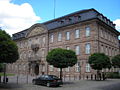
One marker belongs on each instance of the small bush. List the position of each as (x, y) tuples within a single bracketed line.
[(113, 75)]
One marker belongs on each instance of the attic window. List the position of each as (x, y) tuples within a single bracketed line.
[(62, 22), (79, 17), (70, 19)]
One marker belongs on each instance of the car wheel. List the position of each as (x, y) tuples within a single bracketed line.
[(34, 82), (48, 84)]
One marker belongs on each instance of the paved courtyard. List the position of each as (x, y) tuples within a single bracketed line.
[(113, 84)]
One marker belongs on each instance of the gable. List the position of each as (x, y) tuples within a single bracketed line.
[(36, 30)]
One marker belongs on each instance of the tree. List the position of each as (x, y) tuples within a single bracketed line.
[(1, 67), (61, 58), (116, 61), (98, 61), (8, 48)]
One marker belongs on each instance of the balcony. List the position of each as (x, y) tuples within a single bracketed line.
[(35, 58), (35, 47)]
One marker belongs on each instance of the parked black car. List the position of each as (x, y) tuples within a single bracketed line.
[(48, 80)]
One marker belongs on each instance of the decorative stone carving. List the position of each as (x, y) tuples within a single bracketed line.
[(36, 31)]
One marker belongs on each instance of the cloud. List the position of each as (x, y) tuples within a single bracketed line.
[(117, 22), (14, 18)]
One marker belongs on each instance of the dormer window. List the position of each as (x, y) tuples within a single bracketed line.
[(79, 17), (70, 20), (62, 22)]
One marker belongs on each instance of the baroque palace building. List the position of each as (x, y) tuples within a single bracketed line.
[(85, 32)]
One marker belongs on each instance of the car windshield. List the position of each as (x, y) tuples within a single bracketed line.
[(55, 77)]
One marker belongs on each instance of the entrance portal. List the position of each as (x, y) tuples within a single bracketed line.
[(36, 69)]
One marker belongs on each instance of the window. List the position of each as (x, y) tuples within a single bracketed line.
[(58, 69), (106, 50), (77, 67), (43, 68), (77, 50), (101, 32), (87, 29), (43, 40), (102, 49), (67, 69), (87, 48), (51, 37), (68, 48), (51, 67), (109, 51), (87, 67), (77, 33), (43, 53), (67, 35), (59, 36)]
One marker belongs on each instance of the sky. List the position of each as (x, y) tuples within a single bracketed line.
[(18, 15)]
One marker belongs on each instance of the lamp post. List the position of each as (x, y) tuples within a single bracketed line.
[(18, 74), (4, 78)]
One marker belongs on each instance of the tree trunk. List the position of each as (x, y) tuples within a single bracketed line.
[(4, 78), (0, 79), (61, 73)]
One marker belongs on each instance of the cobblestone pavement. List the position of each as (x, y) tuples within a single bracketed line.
[(113, 84)]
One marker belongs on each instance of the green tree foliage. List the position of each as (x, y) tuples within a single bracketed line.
[(61, 58), (98, 61), (1, 67), (116, 61), (8, 48)]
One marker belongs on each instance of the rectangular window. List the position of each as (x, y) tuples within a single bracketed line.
[(77, 67), (87, 67), (43, 68), (77, 33), (106, 50), (43, 40), (102, 49), (51, 37), (87, 48), (77, 50), (101, 30), (51, 67), (87, 29), (68, 48), (67, 35), (58, 69), (67, 69), (59, 36)]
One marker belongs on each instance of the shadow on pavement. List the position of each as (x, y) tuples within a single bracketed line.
[(9, 86), (111, 87), (64, 83)]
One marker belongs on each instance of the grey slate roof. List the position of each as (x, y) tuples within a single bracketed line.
[(69, 19)]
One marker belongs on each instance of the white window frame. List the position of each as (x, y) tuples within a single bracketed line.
[(58, 69), (77, 67), (87, 67), (67, 35), (67, 69), (87, 31), (87, 48), (67, 47), (102, 48), (51, 38), (77, 50), (77, 33), (51, 67), (59, 36), (43, 39)]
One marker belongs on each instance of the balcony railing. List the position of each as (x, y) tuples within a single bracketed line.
[(35, 47), (35, 58)]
